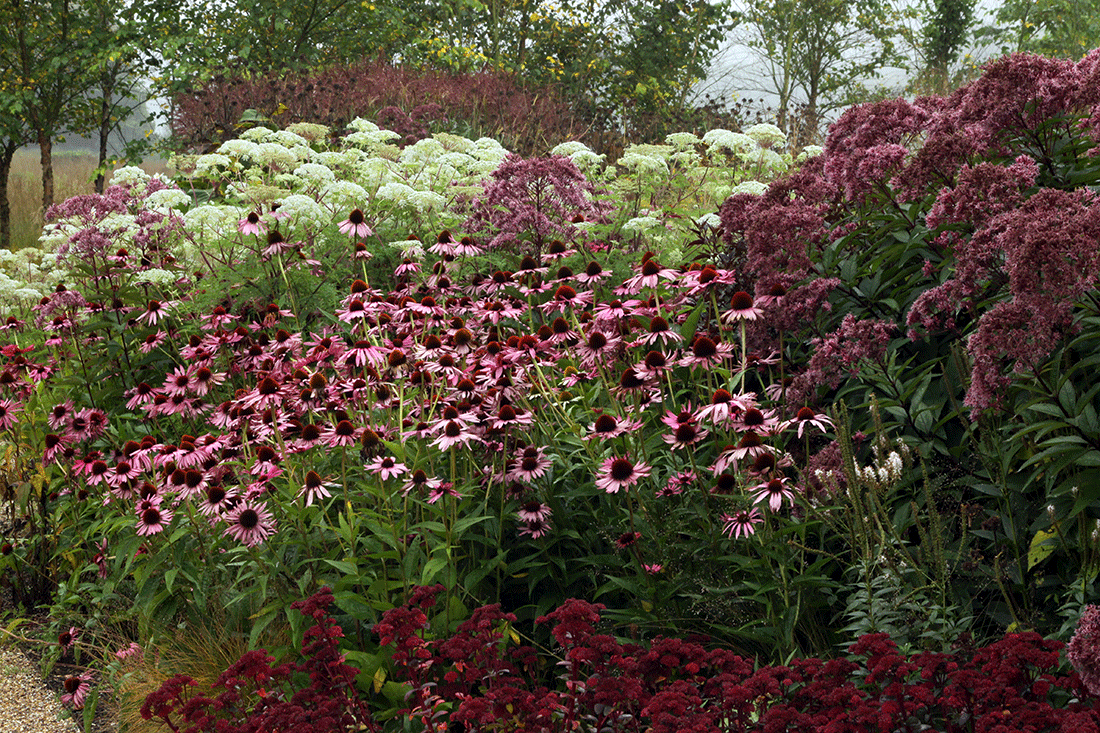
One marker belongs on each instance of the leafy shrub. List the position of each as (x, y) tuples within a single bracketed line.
[(940, 259)]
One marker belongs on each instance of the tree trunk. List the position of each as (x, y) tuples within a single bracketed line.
[(45, 148), (6, 155), (104, 131)]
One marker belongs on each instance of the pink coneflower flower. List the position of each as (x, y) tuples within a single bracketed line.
[(467, 247), (659, 332), (154, 311), (453, 433), (315, 488), (530, 465), (556, 251), (649, 274), (267, 460), (565, 298), (774, 492), (251, 224), (66, 639), (152, 519), (611, 310), (707, 352), (8, 410), (355, 225), (750, 446), (653, 569), (596, 344), (420, 481), (76, 689), (140, 396), (122, 472), (620, 473), (194, 483), (443, 488), (59, 416), (97, 472), (761, 422), (742, 523), (593, 273), (407, 267), (806, 417), (178, 382), (55, 445), (219, 318), (724, 406), (363, 353), (606, 427), (249, 523), (204, 379), (535, 528), (702, 279), (741, 309), (216, 500), (509, 416), (151, 342), (684, 435), (444, 244), (533, 511), (677, 483), (628, 539), (387, 467)]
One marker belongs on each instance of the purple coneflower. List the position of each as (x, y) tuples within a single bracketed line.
[(8, 410), (249, 523), (76, 689), (620, 473), (741, 523), (251, 224), (806, 417), (387, 467), (741, 309), (355, 225), (774, 492), (152, 519), (535, 528), (66, 639), (533, 511), (530, 465), (315, 488)]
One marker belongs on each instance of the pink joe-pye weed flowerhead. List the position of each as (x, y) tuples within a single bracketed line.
[(1083, 650)]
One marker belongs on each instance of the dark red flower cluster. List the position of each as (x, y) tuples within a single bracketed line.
[(478, 678), (256, 698)]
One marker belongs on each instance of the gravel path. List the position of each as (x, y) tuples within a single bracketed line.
[(27, 705)]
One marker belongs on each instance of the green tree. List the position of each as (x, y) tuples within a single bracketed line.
[(1058, 28), (818, 52), (948, 25), (620, 58)]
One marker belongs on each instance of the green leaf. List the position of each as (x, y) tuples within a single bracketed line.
[(344, 566), (1042, 546)]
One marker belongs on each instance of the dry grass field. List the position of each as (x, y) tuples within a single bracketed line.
[(73, 175)]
